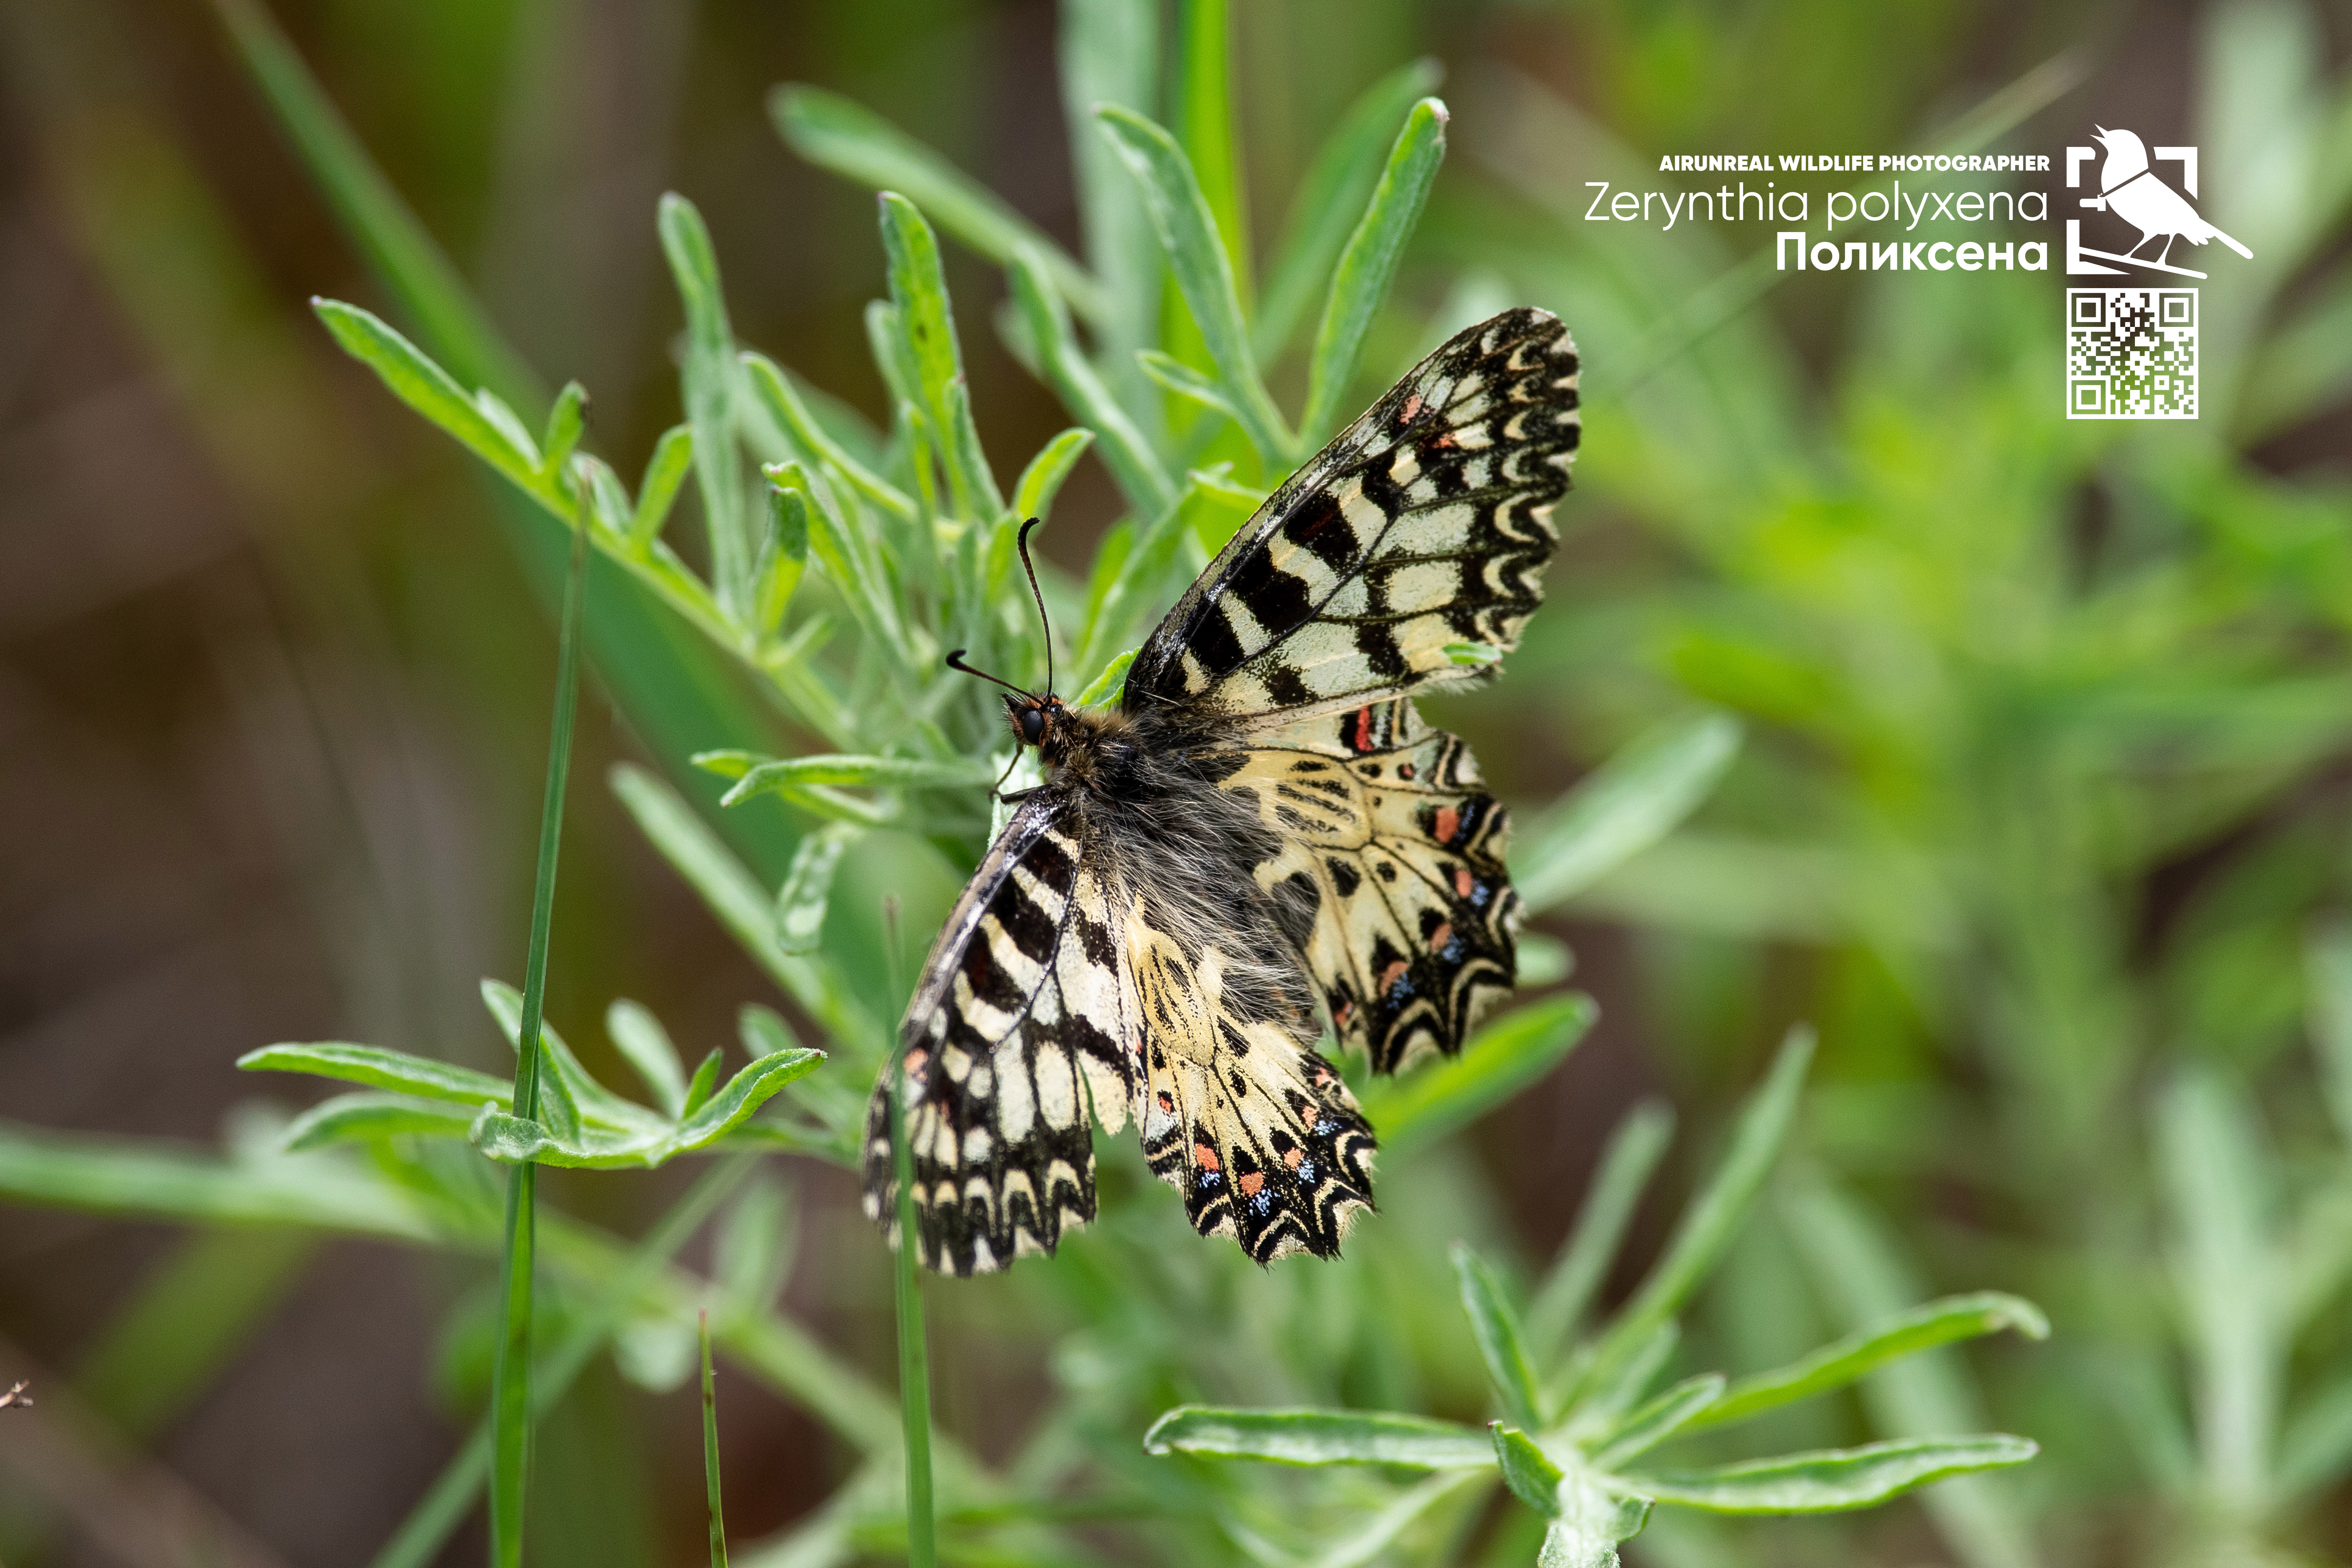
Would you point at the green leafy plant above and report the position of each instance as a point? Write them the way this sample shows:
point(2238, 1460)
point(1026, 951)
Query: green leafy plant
point(1574, 1430)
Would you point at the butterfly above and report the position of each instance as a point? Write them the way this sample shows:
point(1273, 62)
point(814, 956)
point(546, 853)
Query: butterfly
point(1260, 837)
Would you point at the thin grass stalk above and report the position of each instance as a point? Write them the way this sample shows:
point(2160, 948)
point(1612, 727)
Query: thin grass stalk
point(511, 1379)
point(914, 1358)
point(711, 1443)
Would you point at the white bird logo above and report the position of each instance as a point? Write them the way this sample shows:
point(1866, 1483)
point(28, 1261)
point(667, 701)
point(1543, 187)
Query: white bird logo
point(2132, 191)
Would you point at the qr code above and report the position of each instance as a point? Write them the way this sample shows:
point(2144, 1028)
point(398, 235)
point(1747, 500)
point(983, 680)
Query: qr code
point(2131, 354)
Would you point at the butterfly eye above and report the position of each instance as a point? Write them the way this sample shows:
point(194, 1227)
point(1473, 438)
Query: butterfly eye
point(1033, 724)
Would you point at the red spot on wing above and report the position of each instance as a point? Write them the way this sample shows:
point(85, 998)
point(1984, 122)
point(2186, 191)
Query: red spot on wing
point(1290, 1158)
point(1205, 1157)
point(1249, 1182)
point(1404, 770)
point(1440, 936)
point(1412, 409)
point(1461, 883)
point(1394, 972)
point(1306, 1115)
point(1447, 824)
point(1364, 742)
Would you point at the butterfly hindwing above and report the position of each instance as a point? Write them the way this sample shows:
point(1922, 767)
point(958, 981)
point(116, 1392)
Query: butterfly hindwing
point(1425, 525)
point(1255, 1130)
point(1385, 822)
point(1023, 1021)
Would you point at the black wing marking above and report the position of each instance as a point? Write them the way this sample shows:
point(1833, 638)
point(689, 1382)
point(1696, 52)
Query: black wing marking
point(1026, 1017)
point(1424, 523)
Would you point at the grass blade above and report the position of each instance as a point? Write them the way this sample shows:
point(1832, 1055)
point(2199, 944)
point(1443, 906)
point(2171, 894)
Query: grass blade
point(1202, 115)
point(1834, 1479)
point(1367, 265)
point(1319, 1438)
point(510, 1378)
point(1626, 1164)
point(1496, 1329)
point(711, 1443)
point(1203, 270)
point(914, 1361)
point(1500, 1059)
point(1941, 1323)
point(1711, 1222)
point(1628, 804)
point(1331, 199)
point(436, 1516)
point(840, 134)
point(372, 213)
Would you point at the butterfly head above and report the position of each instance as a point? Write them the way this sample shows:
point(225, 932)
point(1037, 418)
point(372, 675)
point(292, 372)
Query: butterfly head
point(1036, 719)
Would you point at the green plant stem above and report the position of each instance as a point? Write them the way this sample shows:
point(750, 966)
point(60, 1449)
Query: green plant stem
point(511, 1379)
point(711, 1443)
point(914, 1361)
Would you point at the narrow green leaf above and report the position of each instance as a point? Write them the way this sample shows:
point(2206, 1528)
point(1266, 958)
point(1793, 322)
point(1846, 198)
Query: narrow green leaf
point(1203, 272)
point(1713, 1218)
point(2327, 969)
point(808, 887)
point(705, 1079)
point(398, 248)
point(379, 1068)
point(1110, 684)
point(1319, 1438)
point(1495, 1327)
point(609, 504)
point(362, 1118)
point(1603, 1396)
point(1938, 1323)
point(713, 1116)
point(1678, 1410)
point(926, 322)
point(776, 392)
point(1126, 451)
point(711, 1443)
point(1041, 482)
point(1857, 1268)
point(510, 1375)
point(1185, 381)
point(835, 132)
point(847, 555)
point(566, 423)
point(569, 1094)
point(1369, 264)
point(1626, 1164)
point(1367, 1541)
point(1500, 1059)
point(428, 389)
point(1832, 1480)
point(710, 373)
point(1629, 803)
point(1528, 1470)
point(657, 491)
point(646, 1047)
point(1331, 201)
point(756, 774)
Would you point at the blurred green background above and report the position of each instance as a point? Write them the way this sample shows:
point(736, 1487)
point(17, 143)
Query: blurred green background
point(2042, 815)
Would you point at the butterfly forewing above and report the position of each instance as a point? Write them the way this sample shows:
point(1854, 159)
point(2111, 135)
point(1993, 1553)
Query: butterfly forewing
point(1023, 1021)
point(1424, 525)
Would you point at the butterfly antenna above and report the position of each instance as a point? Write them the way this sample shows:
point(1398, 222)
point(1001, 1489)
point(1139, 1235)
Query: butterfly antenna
point(1038, 594)
point(956, 663)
